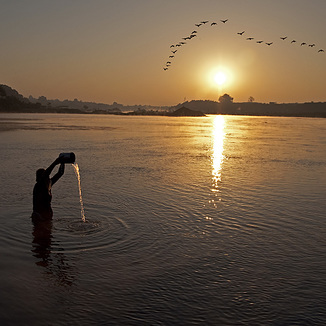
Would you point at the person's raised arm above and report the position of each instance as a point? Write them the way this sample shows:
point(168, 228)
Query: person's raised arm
point(59, 174)
point(51, 167)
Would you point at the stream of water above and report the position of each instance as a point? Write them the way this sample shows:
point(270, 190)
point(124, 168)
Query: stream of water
point(82, 211)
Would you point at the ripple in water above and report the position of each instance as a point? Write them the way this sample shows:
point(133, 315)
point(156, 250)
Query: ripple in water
point(64, 234)
point(75, 236)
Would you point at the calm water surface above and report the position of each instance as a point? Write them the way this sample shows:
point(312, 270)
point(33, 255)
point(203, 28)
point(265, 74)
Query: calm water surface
point(190, 221)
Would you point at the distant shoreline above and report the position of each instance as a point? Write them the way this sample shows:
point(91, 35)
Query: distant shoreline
point(164, 114)
point(13, 102)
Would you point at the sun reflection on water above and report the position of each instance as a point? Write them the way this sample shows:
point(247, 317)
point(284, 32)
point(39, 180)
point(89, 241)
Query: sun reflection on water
point(217, 151)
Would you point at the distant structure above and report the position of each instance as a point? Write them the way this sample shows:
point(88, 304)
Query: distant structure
point(185, 112)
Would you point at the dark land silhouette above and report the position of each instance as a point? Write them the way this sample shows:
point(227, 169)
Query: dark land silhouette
point(308, 109)
point(13, 102)
point(186, 112)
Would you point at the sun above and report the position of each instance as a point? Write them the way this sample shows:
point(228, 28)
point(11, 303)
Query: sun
point(220, 78)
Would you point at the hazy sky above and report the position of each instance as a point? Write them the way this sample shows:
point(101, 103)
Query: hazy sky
point(115, 50)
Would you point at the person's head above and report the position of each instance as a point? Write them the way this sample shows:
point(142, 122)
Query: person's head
point(40, 175)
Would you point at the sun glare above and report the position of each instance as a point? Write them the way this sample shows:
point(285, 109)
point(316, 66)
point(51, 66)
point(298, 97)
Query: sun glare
point(220, 78)
point(218, 147)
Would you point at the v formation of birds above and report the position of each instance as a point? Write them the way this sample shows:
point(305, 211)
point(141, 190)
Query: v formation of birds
point(175, 47)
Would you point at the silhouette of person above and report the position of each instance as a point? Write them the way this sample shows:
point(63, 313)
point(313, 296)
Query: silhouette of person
point(42, 195)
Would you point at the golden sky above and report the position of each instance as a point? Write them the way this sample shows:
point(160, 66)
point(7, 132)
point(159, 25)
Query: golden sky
point(115, 50)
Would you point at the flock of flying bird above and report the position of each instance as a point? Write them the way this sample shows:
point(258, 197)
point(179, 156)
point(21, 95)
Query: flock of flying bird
point(175, 47)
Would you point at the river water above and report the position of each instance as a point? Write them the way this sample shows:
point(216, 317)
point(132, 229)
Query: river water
point(217, 220)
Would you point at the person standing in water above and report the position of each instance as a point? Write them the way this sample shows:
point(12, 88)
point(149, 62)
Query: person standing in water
point(42, 195)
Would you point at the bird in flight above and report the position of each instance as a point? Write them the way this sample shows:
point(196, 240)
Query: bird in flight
point(212, 23)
